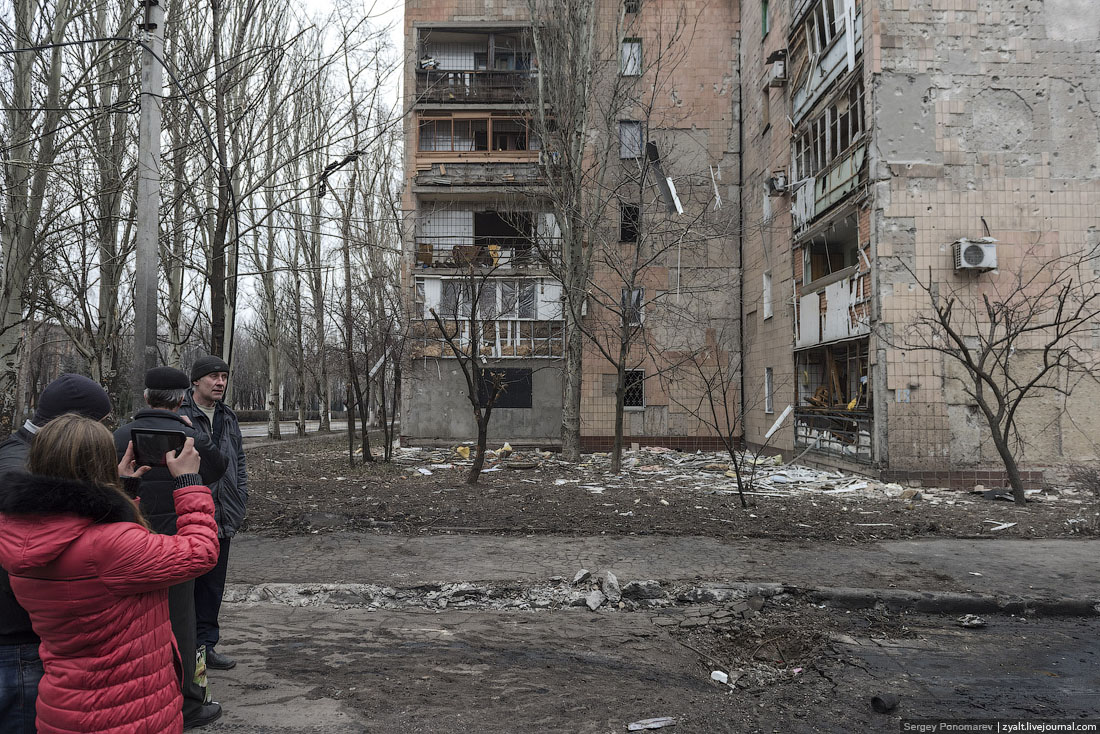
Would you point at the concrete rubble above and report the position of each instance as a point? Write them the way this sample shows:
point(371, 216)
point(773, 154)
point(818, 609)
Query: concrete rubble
point(679, 606)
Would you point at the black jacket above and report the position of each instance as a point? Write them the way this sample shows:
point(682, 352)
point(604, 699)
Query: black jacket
point(157, 484)
point(231, 492)
point(15, 624)
point(14, 450)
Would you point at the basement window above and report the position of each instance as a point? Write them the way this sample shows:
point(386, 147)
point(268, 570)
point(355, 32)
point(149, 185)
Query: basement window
point(634, 389)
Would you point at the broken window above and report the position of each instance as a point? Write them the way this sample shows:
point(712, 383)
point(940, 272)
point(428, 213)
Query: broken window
point(630, 57)
point(828, 136)
point(763, 18)
point(528, 299)
point(632, 303)
point(769, 400)
point(631, 6)
point(466, 134)
point(419, 298)
point(634, 389)
point(513, 387)
point(766, 108)
point(629, 219)
point(630, 138)
point(451, 301)
point(487, 300)
point(766, 298)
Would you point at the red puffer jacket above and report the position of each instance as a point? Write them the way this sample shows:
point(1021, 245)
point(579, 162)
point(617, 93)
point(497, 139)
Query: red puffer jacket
point(95, 585)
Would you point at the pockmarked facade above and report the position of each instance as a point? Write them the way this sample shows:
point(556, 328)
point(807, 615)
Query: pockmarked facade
point(867, 155)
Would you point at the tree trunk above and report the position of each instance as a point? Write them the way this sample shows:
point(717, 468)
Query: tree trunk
point(479, 451)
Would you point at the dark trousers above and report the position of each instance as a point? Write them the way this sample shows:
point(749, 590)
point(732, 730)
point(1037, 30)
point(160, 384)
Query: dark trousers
point(208, 599)
point(20, 671)
point(181, 612)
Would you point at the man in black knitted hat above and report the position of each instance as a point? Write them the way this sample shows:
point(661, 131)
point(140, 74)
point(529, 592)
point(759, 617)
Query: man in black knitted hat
point(165, 389)
point(19, 662)
point(212, 417)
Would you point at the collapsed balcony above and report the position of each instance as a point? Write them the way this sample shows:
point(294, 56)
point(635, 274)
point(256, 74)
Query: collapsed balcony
point(474, 66)
point(833, 415)
point(833, 295)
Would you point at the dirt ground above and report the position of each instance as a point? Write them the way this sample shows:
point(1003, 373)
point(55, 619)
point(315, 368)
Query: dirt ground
point(308, 486)
point(483, 665)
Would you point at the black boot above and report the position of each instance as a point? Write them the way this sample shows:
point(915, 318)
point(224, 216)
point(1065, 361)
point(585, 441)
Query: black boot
point(208, 713)
point(215, 661)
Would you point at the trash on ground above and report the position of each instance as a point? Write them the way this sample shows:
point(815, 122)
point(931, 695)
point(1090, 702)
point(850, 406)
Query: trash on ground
point(719, 676)
point(998, 525)
point(657, 723)
point(970, 621)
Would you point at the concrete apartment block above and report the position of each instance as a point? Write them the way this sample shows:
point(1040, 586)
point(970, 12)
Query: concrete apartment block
point(852, 144)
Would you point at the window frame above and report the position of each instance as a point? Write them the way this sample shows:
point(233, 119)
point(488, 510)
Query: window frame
point(766, 295)
point(631, 153)
point(769, 389)
point(630, 222)
point(630, 57)
point(633, 306)
point(638, 385)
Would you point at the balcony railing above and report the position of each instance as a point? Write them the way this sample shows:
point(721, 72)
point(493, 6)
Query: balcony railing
point(435, 85)
point(505, 253)
point(499, 339)
point(841, 433)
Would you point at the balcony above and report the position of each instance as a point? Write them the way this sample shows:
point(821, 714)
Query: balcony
point(498, 339)
point(833, 415)
point(508, 253)
point(815, 195)
point(825, 44)
point(473, 86)
point(834, 308)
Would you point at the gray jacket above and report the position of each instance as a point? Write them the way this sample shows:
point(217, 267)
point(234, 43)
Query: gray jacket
point(231, 491)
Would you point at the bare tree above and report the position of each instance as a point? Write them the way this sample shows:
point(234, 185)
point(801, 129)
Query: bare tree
point(1017, 336)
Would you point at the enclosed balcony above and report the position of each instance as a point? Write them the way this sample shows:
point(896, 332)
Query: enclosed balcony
point(473, 67)
point(825, 43)
point(492, 317)
point(488, 239)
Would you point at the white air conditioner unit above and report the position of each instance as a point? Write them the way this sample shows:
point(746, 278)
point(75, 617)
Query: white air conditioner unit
point(777, 77)
point(980, 254)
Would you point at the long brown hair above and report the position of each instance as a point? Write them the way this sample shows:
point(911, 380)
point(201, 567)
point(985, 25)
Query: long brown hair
point(74, 447)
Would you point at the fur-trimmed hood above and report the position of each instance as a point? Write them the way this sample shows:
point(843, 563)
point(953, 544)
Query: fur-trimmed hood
point(33, 494)
point(41, 516)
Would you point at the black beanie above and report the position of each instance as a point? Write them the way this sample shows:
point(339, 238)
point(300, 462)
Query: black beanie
point(72, 394)
point(205, 365)
point(166, 378)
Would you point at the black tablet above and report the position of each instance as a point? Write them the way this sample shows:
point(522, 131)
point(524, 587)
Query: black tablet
point(151, 444)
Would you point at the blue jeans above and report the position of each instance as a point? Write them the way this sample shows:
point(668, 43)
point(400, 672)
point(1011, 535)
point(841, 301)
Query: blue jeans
point(20, 671)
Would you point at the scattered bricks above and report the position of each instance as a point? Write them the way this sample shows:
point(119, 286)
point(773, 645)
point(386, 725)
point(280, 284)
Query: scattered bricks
point(643, 590)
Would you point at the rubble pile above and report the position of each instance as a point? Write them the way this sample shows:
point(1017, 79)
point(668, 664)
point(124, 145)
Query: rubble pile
point(707, 472)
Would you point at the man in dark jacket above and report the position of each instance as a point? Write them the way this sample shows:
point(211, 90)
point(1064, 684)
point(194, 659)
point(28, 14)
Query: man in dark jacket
point(165, 389)
point(20, 666)
point(209, 415)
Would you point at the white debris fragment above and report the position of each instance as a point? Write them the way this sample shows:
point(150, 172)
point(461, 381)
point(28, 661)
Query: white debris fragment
point(998, 525)
point(719, 676)
point(657, 723)
point(425, 472)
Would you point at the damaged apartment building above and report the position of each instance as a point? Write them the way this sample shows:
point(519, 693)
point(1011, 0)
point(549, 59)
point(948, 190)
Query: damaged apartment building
point(860, 142)
point(482, 239)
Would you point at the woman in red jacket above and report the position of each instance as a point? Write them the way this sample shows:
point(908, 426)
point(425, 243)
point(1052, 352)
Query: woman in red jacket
point(95, 580)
